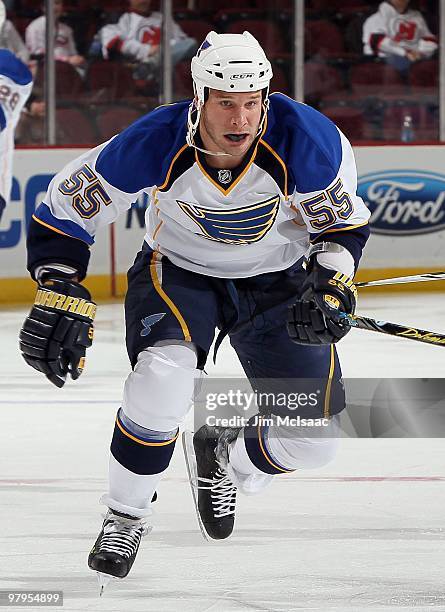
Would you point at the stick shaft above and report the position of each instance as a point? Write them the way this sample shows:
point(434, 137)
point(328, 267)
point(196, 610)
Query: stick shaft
point(393, 329)
point(416, 278)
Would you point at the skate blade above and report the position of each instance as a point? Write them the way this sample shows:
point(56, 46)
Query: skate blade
point(104, 580)
point(190, 462)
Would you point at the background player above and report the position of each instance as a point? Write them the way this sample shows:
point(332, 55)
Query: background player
point(240, 184)
point(15, 87)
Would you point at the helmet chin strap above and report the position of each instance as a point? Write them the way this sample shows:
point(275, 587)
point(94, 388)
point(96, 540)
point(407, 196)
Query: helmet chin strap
point(192, 126)
point(214, 153)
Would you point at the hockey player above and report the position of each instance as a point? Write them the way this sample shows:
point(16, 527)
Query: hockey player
point(399, 34)
point(15, 87)
point(241, 183)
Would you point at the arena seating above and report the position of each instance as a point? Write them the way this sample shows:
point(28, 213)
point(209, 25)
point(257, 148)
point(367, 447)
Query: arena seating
point(114, 119)
point(350, 120)
point(365, 96)
point(424, 74)
point(196, 28)
point(321, 80)
point(110, 81)
point(375, 77)
point(74, 127)
point(267, 32)
point(323, 38)
point(69, 83)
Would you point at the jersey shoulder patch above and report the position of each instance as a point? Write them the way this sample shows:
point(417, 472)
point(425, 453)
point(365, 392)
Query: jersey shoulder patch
point(13, 68)
point(140, 156)
point(306, 140)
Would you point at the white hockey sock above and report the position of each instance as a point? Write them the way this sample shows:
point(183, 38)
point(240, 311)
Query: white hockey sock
point(239, 459)
point(299, 453)
point(157, 397)
point(242, 472)
point(304, 448)
point(130, 493)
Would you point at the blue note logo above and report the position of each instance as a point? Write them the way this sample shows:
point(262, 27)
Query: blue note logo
point(205, 45)
point(404, 202)
point(237, 225)
point(149, 321)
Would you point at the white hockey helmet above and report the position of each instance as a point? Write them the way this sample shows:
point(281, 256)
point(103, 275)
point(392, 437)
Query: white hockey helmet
point(2, 14)
point(228, 62)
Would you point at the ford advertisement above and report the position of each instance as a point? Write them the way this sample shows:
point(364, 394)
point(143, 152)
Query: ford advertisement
point(404, 202)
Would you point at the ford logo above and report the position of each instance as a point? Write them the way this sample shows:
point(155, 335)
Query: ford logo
point(404, 202)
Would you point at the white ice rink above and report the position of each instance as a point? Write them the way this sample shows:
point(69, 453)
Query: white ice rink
point(365, 533)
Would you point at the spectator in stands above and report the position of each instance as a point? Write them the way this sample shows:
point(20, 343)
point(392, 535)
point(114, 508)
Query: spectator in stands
point(137, 36)
point(10, 39)
point(64, 45)
point(398, 34)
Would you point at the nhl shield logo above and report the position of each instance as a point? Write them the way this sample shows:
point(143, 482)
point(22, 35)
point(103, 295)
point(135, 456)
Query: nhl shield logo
point(224, 176)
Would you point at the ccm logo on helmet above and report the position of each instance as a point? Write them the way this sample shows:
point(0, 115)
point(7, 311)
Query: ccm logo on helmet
point(245, 75)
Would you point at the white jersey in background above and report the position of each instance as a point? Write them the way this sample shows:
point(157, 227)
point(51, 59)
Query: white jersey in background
point(15, 87)
point(389, 32)
point(64, 45)
point(135, 35)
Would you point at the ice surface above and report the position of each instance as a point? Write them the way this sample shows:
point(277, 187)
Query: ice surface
point(364, 533)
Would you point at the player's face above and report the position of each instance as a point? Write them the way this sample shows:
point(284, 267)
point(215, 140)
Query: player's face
point(400, 5)
point(229, 121)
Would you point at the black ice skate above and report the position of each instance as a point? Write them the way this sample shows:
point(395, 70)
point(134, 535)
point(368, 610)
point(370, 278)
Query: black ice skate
point(116, 546)
point(206, 454)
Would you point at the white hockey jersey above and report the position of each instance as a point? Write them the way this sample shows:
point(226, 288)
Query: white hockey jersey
point(389, 32)
point(135, 35)
point(15, 87)
point(64, 45)
point(298, 182)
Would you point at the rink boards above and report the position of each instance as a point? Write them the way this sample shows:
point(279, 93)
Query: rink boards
point(404, 186)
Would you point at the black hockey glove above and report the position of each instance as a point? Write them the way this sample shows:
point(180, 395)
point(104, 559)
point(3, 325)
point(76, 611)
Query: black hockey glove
point(313, 318)
point(58, 329)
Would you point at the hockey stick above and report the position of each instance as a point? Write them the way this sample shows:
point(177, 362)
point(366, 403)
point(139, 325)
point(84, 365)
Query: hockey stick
point(416, 278)
point(392, 329)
